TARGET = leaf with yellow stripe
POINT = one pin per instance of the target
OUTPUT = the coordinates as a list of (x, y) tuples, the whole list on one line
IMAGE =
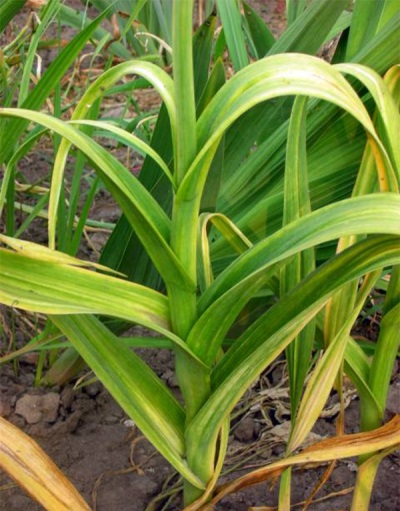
[(30, 466)]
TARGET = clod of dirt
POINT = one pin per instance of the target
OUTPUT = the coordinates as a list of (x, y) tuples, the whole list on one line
[(38, 408), (246, 430), (93, 389), (5, 408), (67, 397)]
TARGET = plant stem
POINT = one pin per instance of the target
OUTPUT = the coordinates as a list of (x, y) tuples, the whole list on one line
[(184, 86), (193, 378)]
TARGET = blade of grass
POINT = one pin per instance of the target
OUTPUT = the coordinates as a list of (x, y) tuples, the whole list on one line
[(46, 85), (307, 33), (149, 221), (231, 20), (49, 11), (8, 10), (297, 204)]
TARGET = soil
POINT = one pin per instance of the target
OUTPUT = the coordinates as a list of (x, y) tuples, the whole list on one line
[(115, 468), (104, 455)]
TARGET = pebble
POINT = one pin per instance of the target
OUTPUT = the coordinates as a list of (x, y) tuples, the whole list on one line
[(340, 476), (38, 408), (245, 431)]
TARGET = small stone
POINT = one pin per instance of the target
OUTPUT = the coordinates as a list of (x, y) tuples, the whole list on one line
[(38, 408), (340, 476), (50, 404), (29, 408), (278, 450), (244, 432), (166, 375), (146, 486), (69, 425)]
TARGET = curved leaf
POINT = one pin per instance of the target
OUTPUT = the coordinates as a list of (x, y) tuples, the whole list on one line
[(156, 76), (146, 216), (132, 140), (273, 331), (134, 386), (29, 465), (232, 289), (275, 76)]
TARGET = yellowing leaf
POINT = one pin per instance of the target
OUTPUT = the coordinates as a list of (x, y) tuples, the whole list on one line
[(36, 251), (30, 466), (346, 446)]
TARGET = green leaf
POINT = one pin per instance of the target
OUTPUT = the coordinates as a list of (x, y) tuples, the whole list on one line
[(273, 331), (228, 294), (160, 80), (388, 111), (374, 213), (296, 203), (231, 20), (307, 33), (381, 51), (133, 385), (228, 230), (367, 19), (357, 366), (260, 34), (46, 85), (382, 366), (271, 77), (148, 219), (132, 140), (202, 51), (46, 16), (9, 9), (56, 287), (325, 372)]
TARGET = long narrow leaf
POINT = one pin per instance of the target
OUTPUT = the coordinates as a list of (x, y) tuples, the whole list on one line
[(148, 219), (231, 21), (323, 376), (159, 79), (269, 335), (8, 9), (46, 85), (134, 386), (296, 203)]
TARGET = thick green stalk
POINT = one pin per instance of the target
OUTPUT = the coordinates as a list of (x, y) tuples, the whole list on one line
[(183, 303), (194, 379)]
